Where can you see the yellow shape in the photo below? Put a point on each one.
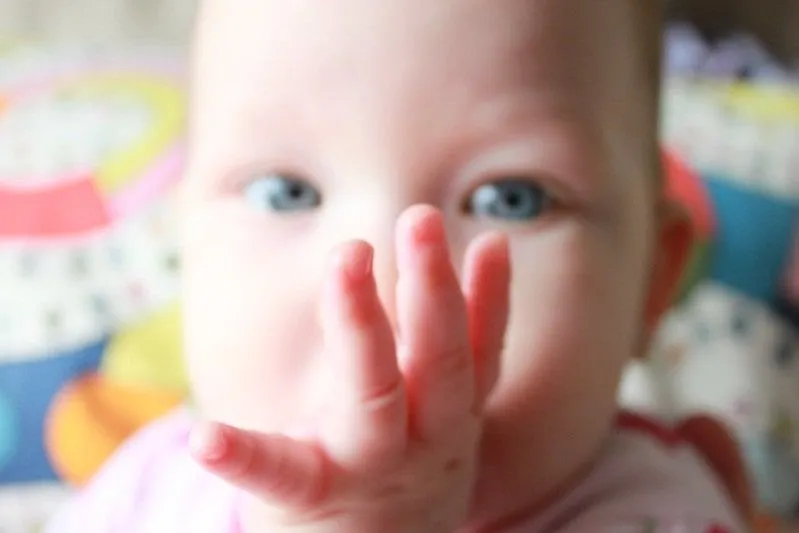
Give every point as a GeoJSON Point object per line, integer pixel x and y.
{"type": "Point", "coordinates": [783, 426]}
{"type": "Point", "coordinates": [7, 46]}
{"type": "Point", "coordinates": [168, 106]}
{"type": "Point", "coordinates": [774, 105]}
{"type": "Point", "coordinates": [92, 417]}
{"type": "Point", "coordinates": [149, 354]}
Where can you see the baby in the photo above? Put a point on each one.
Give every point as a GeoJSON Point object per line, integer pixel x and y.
{"type": "Point", "coordinates": [403, 382]}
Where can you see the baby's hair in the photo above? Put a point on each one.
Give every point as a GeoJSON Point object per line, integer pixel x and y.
{"type": "Point", "coordinates": [649, 18]}
{"type": "Point", "coordinates": [651, 15]}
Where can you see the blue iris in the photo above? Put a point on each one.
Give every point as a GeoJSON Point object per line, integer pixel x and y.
{"type": "Point", "coordinates": [282, 193]}
{"type": "Point", "coordinates": [511, 199]}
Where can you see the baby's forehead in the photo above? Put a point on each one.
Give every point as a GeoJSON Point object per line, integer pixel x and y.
{"type": "Point", "coordinates": [304, 37]}
{"type": "Point", "coordinates": [281, 66]}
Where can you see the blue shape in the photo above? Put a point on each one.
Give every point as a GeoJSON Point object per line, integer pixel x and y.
{"type": "Point", "coordinates": [9, 431]}
{"type": "Point", "coordinates": [754, 238]}
{"type": "Point", "coordinates": [29, 388]}
{"type": "Point", "coordinates": [775, 474]}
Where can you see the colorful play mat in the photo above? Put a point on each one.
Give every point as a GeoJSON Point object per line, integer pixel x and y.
{"type": "Point", "coordinates": [745, 133]}
{"type": "Point", "coordinates": [91, 147]}
{"type": "Point", "coordinates": [731, 346]}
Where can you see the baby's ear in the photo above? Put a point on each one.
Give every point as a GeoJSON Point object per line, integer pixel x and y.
{"type": "Point", "coordinates": [674, 239]}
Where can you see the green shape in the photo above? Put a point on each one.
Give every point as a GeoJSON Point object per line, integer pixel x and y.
{"type": "Point", "coordinates": [696, 269]}
{"type": "Point", "coordinates": [149, 354]}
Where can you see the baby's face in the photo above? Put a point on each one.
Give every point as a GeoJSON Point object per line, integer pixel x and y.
{"type": "Point", "coordinates": [320, 122]}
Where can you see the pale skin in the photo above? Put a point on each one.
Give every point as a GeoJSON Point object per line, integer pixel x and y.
{"type": "Point", "coordinates": [403, 381]}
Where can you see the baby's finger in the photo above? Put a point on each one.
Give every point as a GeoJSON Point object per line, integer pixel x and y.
{"type": "Point", "coordinates": [486, 285]}
{"type": "Point", "coordinates": [433, 326]}
{"type": "Point", "coordinates": [368, 425]}
{"type": "Point", "coordinates": [276, 469]}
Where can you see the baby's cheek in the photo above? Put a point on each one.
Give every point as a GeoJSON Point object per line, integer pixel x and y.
{"type": "Point", "coordinates": [252, 338]}
{"type": "Point", "coordinates": [569, 334]}
{"type": "Point", "coordinates": [573, 325]}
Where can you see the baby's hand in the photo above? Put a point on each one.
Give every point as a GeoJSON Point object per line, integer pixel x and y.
{"type": "Point", "coordinates": [399, 449]}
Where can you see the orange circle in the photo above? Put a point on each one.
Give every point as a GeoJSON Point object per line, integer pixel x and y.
{"type": "Point", "coordinates": [685, 186]}
{"type": "Point", "coordinates": [92, 417]}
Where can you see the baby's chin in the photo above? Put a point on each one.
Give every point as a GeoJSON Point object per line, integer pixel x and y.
{"type": "Point", "coordinates": [524, 471]}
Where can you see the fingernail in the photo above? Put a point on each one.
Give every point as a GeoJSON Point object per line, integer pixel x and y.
{"type": "Point", "coordinates": [208, 442]}
{"type": "Point", "coordinates": [429, 229]}
{"type": "Point", "coordinates": [502, 244]}
{"type": "Point", "coordinates": [356, 262]}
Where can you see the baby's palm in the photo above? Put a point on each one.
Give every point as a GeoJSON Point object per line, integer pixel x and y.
{"type": "Point", "coordinates": [398, 449]}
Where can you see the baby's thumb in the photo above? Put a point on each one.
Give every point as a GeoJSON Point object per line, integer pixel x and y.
{"type": "Point", "coordinates": [276, 469]}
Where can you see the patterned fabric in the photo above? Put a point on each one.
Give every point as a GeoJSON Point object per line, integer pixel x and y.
{"type": "Point", "coordinates": [90, 148]}
{"type": "Point", "coordinates": [645, 481]}
{"type": "Point", "coordinates": [87, 153]}
{"type": "Point", "coordinates": [726, 355]}
{"type": "Point", "coordinates": [727, 350]}
{"type": "Point", "coordinates": [736, 56]}
{"type": "Point", "coordinates": [748, 134]}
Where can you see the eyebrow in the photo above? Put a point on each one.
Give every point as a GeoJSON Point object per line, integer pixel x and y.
{"type": "Point", "coordinates": [571, 133]}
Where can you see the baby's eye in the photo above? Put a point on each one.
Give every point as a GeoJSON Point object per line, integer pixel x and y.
{"type": "Point", "coordinates": [511, 199]}
{"type": "Point", "coordinates": [282, 193]}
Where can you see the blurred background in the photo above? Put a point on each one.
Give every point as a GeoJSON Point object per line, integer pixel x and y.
{"type": "Point", "coordinates": [92, 110]}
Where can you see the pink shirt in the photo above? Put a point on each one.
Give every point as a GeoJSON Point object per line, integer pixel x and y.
{"type": "Point", "coordinates": [645, 481]}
